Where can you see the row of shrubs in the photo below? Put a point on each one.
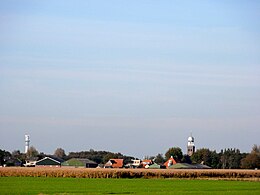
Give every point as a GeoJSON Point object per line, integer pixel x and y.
{"type": "Point", "coordinates": [130, 173]}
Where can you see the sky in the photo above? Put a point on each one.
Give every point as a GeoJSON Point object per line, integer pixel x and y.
{"type": "Point", "coordinates": [135, 77]}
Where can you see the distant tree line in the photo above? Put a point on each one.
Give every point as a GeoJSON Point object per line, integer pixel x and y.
{"type": "Point", "coordinates": [99, 157]}
{"type": "Point", "coordinates": [225, 159]}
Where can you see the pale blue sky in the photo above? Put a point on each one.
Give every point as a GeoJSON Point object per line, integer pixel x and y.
{"type": "Point", "coordinates": [129, 76]}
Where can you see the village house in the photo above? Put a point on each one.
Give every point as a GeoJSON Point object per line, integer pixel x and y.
{"type": "Point", "coordinates": [171, 161]}
{"type": "Point", "coordinates": [114, 163]}
{"type": "Point", "coordinates": [136, 163]}
{"type": "Point", "coordinates": [146, 163]}
{"type": "Point", "coordinates": [10, 161]}
{"type": "Point", "coordinates": [31, 162]}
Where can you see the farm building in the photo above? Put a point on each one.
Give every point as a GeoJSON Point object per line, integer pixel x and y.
{"type": "Point", "coordinates": [9, 161]}
{"type": "Point", "coordinates": [114, 163]}
{"type": "Point", "coordinates": [181, 166]}
{"type": "Point", "coordinates": [170, 162]}
{"type": "Point", "coordinates": [188, 166]}
{"type": "Point", "coordinates": [201, 166]}
{"type": "Point", "coordinates": [146, 163]}
{"type": "Point", "coordinates": [135, 163]}
{"type": "Point", "coordinates": [80, 162]}
{"type": "Point", "coordinates": [156, 166]}
{"type": "Point", "coordinates": [30, 162]}
{"type": "Point", "coordinates": [49, 162]}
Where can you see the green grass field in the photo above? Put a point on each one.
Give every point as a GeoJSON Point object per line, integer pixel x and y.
{"type": "Point", "coordinates": [41, 185]}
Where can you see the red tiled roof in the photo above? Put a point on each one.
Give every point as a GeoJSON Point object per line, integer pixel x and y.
{"type": "Point", "coordinates": [147, 161]}
{"type": "Point", "coordinates": [117, 163]}
{"type": "Point", "coordinates": [167, 162]}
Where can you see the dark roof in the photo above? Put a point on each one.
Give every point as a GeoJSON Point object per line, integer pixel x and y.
{"type": "Point", "coordinates": [55, 158]}
{"type": "Point", "coordinates": [48, 161]}
{"type": "Point", "coordinates": [200, 166]}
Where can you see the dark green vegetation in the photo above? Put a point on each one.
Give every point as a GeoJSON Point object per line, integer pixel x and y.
{"type": "Point", "coordinates": [226, 159]}
{"type": "Point", "coordinates": [39, 185]}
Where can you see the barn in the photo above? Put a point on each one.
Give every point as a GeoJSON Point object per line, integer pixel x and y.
{"type": "Point", "coordinates": [49, 162]}
{"type": "Point", "coordinates": [80, 162]}
{"type": "Point", "coordinates": [156, 166]}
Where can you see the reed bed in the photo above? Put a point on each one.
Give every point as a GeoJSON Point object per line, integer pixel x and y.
{"type": "Point", "coordinates": [220, 174]}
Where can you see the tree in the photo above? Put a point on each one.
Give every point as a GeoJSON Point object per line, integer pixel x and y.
{"type": "Point", "coordinates": [32, 152]}
{"type": "Point", "coordinates": [60, 153]}
{"type": "Point", "coordinates": [206, 157]}
{"type": "Point", "coordinates": [252, 160]}
{"type": "Point", "coordinates": [215, 158]}
{"type": "Point", "coordinates": [230, 158]}
{"type": "Point", "coordinates": [99, 156]}
{"type": "Point", "coordinates": [149, 157]}
{"type": "Point", "coordinates": [16, 154]}
{"type": "Point", "coordinates": [3, 155]}
{"type": "Point", "coordinates": [109, 156]}
{"type": "Point", "coordinates": [159, 159]}
{"type": "Point", "coordinates": [202, 156]}
{"type": "Point", "coordinates": [255, 149]}
{"type": "Point", "coordinates": [186, 159]}
{"type": "Point", "coordinates": [175, 152]}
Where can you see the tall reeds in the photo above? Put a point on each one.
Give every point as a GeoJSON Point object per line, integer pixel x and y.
{"type": "Point", "coordinates": [130, 173]}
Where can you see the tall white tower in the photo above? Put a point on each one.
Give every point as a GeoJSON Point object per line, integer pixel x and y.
{"type": "Point", "coordinates": [27, 142]}
{"type": "Point", "coordinates": [190, 146]}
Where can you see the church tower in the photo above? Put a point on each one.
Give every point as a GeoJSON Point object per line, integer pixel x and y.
{"type": "Point", "coordinates": [190, 146]}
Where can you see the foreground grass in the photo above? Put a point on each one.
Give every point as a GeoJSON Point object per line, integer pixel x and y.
{"type": "Point", "coordinates": [41, 185]}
